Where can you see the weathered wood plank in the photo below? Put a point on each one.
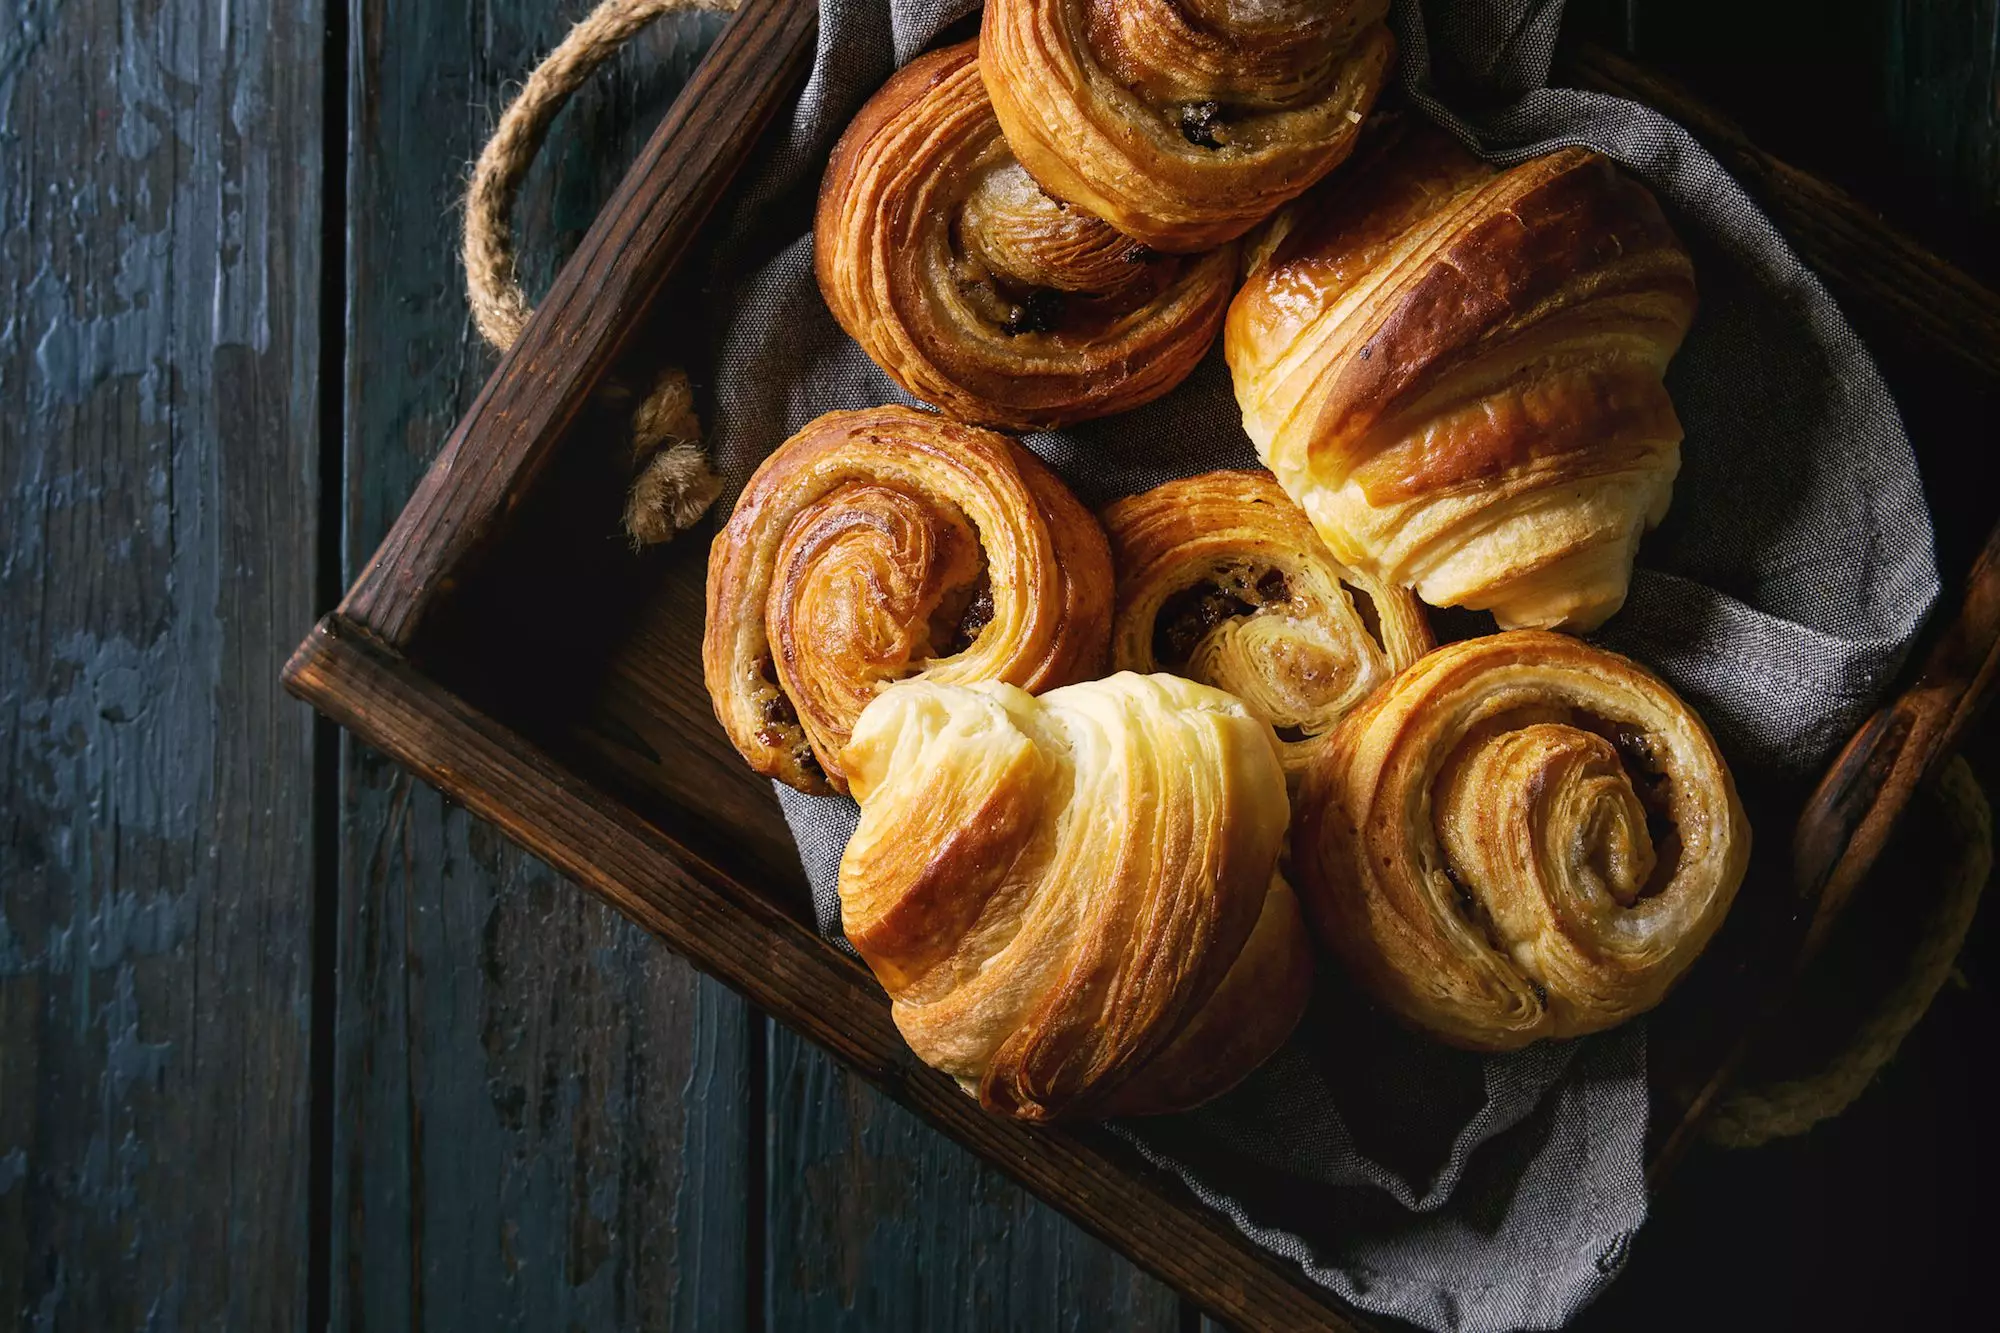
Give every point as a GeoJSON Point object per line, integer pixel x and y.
{"type": "Point", "coordinates": [877, 1221]}
{"type": "Point", "coordinates": [159, 345]}
{"type": "Point", "coordinates": [541, 1115]}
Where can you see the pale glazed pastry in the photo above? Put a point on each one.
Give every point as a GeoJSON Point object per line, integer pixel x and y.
{"type": "Point", "coordinates": [874, 546]}
{"type": "Point", "coordinates": [1456, 371]}
{"type": "Point", "coordinates": [1522, 836]}
{"type": "Point", "coordinates": [1183, 123]}
{"type": "Point", "coordinates": [977, 292]}
{"type": "Point", "coordinates": [1221, 579]}
{"type": "Point", "coordinates": [1074, 900]}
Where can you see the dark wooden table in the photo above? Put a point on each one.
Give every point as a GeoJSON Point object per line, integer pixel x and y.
{"type": "Point", "coordinates": [286, 1040]}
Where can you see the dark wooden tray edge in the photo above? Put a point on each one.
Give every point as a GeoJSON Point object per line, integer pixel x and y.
{"type": "Point", "coordinates": [736, 935]}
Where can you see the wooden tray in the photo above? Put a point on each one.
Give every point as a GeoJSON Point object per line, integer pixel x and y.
{"type": "Point", "coordinates": [504, 648]}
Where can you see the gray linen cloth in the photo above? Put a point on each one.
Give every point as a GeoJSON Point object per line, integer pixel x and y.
{"type": "Point", "coordinates": [1453, 1191]}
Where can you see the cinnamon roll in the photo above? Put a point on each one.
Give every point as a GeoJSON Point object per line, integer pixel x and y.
{"type": "Point", "coordinates": [1522, 836]}
{"type": "Point", "coordinates": [879, 545]}
{"type": "Point", "coordinates": [1222, 579]}
{"type": "Point", "coordinates": [1182, 123]}
{"type": "Point", "coordinates": [979, 293]}
{"type": "Point", "coordinates": [1074, 900]}
{"type": "Point", "coordinates": [1457, 372]}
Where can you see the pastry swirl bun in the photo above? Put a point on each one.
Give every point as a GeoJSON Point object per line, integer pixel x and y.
{"type": "Point", "coordinates": [1521, 836]}
{"type": "Point", "coordinates": [1074, 900]}
{"type": "Point", "coordinates": [1456, 372]}
{"type": "Point", "coordinates": [977, 292]}
{"type": "Point", "coordinates": [873, 546]}
{"type": "Point", "coordinates": [1222, 579]}
{"type": "Point", "coordinates": [1183, 123]}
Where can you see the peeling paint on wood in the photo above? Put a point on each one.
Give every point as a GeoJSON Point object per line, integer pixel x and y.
{"type": "Point", "coordinates": [159, 224]}
{"type": "Point", "coordinates": [541, 1116]}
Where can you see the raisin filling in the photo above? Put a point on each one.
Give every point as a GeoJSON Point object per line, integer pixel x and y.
{"type": "Point", "coordinates": [1654, 789]}
{"type": "Point", "coordinates": [1201, 125]}
{"type": "Point", "coordinates": [1188, 615]}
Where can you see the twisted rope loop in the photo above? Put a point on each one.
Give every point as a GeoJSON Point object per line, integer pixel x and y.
{"type": "Point", "coordinates": [674, 485]}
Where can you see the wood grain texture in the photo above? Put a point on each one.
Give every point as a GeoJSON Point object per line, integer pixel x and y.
{"type": "Point", "coordinates": [876, 1222]}
{"type": "Point", "coordinates": [581, 323]}
{"type": "Point", "coordinates": [541, 1117]}
{"type": "Point", "coordinates": [159, 246]}
{"type": "Point", "coordinates": [740, 935]}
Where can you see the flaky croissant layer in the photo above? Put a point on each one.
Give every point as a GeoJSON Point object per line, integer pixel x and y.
{"type": "Point", "coordinates": [1074, 900]}
{"type": "Point", "coordinates": [877, 545]}
{"type": "Point", "coordinates": [1457, 372]}
{"type": "Point", "coordinates": [1222, 579]}
{"type": "Point", "coordinates": [1522, 836]}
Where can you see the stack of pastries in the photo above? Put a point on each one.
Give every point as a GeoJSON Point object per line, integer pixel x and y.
{"type": "Point", "coordinates": [1119, 773]}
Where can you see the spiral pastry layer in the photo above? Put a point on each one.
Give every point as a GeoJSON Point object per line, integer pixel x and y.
{"type": "Point", "coordinates": [1521, 836]}
{"type": "Point", "coordinates": [979, 293]}
{"type": "Point", "coordinates": [874, 546]}
{"type": "Point", "coordinates": [1183, 123]}
{"type": "Point", "coordinates": [1074, 900]}
{"type": "Point", "coordinates": [1457, 372]}
{"type": "Point", "coordinates": [1222, 579]}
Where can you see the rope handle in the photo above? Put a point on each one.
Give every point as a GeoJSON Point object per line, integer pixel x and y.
{"type": "Point", "coordinates": [1752, 1115]}
{"type": "Point", "coordinates": [674, 485]}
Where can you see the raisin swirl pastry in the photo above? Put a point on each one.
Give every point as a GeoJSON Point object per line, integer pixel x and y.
{"type": "Point", "coordinates": [1074, 900]}
{"type": "Point", "coordinates": [1183, 123]}
{"type": "Point", "coordinates": [1457, 372]}
{"type": "Point", "coordinates": [977, 292]}
{"type": "Point", "coordinates": [878, 545]}
{"type": "Point", "coordinates": [1522, 836]}
{"type": "Point", "coordinates": [1222, 579]}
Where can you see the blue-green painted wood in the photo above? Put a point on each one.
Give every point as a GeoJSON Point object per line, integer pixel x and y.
{"type": "Point", "coordinates": [877, 1222]}
{"type": "Point", "coordinates": [541, 1116]}
{"type": "Point", "coordinates": [159, 345]}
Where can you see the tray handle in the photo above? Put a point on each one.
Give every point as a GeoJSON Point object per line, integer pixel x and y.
{"type": "Point", "coordinates": [593, 307]}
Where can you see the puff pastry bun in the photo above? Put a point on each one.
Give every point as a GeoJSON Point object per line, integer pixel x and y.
{"type": "Point", "coordinates": [1521, 836]}
{"type": "Point", "coordinates": [1074, 900]}
{"type": "Point", "coordinates": [1456, 371]}
{"type": "Point", "coordinates": [1182, 123]}
{"type": "Point", "coordinates": [878, 545]}
{"type": "Point", "coordinates": [976, 291]}
{"type": "Point", "coordinates": [1222, 579]}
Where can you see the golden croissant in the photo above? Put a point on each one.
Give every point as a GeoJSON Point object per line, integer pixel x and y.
{"type": "Point", "coordinates": [1182, 123]}
{"type": "Point", "coordinates": [1074, 900]}
{"type": "Point", "coordinates": [874, 546]}
{"type": "Point", "coordinates": [1457, 372]}
{"type": "Point", "coordinates": [1522, 836]}
{"type": "Point", "coordinates": [1222, 579]}
{"type": "Point", "coordinates": [977, 292]}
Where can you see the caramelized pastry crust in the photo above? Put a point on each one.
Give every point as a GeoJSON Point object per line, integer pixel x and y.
{"type": "Point", "coordinates": [874, 546]}
{"type": "Point", "coordinates": [1456, 371]}
{"type": "Point", "coordinates": [1522, 836]}
{"type": "Point", "coordinates": [1074, 900]}
{"type": "Point", "coordinates": [1222, 579]}
{"type": "Point", "coordinates": [979, 293]}
{"type": "Point", "coordinates": [1183, 123]}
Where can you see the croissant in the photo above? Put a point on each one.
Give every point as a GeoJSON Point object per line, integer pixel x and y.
{"type": "Point", "coordinates": [1074, 900]}
{"type": "Point", "coordinates": [979, 293]}
{"type": "Point", "coordinates": [1521, 836]}
{"type": "Point", "coordinates": [873, 546]}
{"type": "Point", "coordinates": [1221, 579]}
{"type": "Point", "coordinates": [1183, 123]}
{"type": "Point", "coordinates": [1456, 371]}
